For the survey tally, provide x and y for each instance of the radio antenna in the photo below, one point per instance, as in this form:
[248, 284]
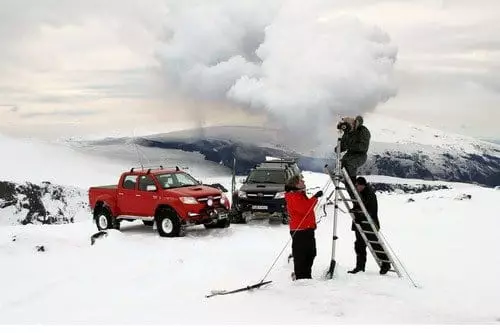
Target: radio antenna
[137, 150]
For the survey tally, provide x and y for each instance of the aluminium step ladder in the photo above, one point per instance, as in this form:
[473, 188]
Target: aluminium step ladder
[367, 228]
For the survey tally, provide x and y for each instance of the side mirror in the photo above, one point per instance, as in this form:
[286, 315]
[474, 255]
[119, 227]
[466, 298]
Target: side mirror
[242, 181]
[151, 188]
[200, 182]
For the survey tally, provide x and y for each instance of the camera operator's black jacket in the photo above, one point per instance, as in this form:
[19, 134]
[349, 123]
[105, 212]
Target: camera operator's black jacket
[356, 142]
[369, 199]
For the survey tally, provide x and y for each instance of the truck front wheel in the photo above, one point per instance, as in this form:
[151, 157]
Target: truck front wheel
[168, 223]
[104, 220]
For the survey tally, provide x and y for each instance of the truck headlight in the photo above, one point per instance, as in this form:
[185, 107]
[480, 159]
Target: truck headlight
[242, 194]
[222, 200]
[279, 195]
[188, 200]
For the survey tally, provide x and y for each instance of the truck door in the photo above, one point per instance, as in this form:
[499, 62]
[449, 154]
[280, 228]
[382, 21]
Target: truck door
[127, 195]
[147, 200]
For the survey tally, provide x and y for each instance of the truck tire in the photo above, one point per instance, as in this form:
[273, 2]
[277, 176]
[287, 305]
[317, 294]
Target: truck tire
[168, 223]
[225, 223]
[104, 219]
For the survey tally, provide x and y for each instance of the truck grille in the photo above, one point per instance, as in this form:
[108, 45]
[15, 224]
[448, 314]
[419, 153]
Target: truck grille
[261, 195]
[216, 200]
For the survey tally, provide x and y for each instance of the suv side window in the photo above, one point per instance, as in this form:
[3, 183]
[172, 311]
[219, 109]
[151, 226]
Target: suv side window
[144, 181]
[129, 182]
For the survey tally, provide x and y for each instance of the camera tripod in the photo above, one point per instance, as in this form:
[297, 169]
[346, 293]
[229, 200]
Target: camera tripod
[367, 229]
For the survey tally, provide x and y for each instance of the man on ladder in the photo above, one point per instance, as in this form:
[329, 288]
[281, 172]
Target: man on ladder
[369, 199]
[355, 140]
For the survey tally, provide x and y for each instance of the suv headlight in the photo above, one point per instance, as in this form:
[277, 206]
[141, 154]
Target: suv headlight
[279, 195]
[242, 194]
[188, 200]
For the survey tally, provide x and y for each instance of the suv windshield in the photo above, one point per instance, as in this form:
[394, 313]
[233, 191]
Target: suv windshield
[266, 176]
[174, 180]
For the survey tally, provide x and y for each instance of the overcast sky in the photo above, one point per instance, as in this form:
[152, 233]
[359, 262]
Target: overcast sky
[71, 67]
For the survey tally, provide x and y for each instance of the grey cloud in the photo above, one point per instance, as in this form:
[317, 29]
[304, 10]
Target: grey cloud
[10, 107]
[59, 113]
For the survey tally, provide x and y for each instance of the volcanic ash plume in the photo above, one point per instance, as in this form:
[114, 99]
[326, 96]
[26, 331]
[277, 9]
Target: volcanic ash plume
[301, 63]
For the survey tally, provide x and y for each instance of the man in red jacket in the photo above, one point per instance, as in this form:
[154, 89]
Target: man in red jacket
[302, 222]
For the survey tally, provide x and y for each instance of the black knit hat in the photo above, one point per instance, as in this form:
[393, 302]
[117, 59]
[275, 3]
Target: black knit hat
[361, 181]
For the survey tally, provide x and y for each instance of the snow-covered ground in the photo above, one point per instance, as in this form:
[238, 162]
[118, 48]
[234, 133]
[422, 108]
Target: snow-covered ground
[134, 276]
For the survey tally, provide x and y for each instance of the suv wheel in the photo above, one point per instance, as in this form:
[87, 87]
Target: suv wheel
[168, 223]
[236, 217]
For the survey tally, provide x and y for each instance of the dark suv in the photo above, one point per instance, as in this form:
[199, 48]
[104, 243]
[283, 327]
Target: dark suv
[263, 191]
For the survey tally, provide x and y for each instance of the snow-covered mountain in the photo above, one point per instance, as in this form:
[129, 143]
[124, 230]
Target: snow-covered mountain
[398, 148]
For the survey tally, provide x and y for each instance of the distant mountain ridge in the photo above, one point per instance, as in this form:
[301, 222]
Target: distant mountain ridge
[398, 148]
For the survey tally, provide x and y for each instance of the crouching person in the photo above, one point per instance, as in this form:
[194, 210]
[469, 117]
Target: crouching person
[302, 223]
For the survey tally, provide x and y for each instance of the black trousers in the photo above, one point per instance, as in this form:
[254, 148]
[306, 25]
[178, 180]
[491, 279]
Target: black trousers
[304, 252]
[360, 246]
[351, 163]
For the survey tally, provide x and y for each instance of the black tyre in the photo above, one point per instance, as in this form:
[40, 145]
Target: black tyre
[225, 223]
[104, 219]
[168, 223]
[236, 217]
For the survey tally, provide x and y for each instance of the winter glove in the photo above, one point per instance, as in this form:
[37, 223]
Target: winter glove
[318, 194]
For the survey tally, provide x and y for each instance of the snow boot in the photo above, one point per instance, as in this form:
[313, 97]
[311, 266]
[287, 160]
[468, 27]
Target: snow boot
[356, 270]
[385, 268]
[360, 265]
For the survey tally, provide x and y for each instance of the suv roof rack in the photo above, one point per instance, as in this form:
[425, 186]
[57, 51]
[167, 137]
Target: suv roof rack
[282, 160]
[272, 166]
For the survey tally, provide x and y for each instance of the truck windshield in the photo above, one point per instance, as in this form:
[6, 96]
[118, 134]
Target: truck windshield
[266, 176]
[174, 180]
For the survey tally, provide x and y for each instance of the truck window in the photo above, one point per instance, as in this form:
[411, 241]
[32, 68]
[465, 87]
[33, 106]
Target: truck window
[266, 176]
[173, 180]
[144, 181]
[129, 182]
[185, 180]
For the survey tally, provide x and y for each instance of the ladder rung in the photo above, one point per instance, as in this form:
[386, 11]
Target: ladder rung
[390, 262]
[369, 232]
[379, 251]
[372, 242]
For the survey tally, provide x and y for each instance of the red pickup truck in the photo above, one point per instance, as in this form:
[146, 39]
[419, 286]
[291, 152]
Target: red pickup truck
[171, 198]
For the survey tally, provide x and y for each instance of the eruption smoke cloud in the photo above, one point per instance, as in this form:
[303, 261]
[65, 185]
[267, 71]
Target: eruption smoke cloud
[299, 62]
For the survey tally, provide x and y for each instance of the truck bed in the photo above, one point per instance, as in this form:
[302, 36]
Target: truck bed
[110, 187]
[95, 192]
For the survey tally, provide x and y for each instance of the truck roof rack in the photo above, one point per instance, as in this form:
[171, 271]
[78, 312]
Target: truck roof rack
[146, 167]
[161, 167]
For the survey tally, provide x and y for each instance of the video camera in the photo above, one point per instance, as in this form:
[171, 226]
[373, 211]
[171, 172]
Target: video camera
[346, 124]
